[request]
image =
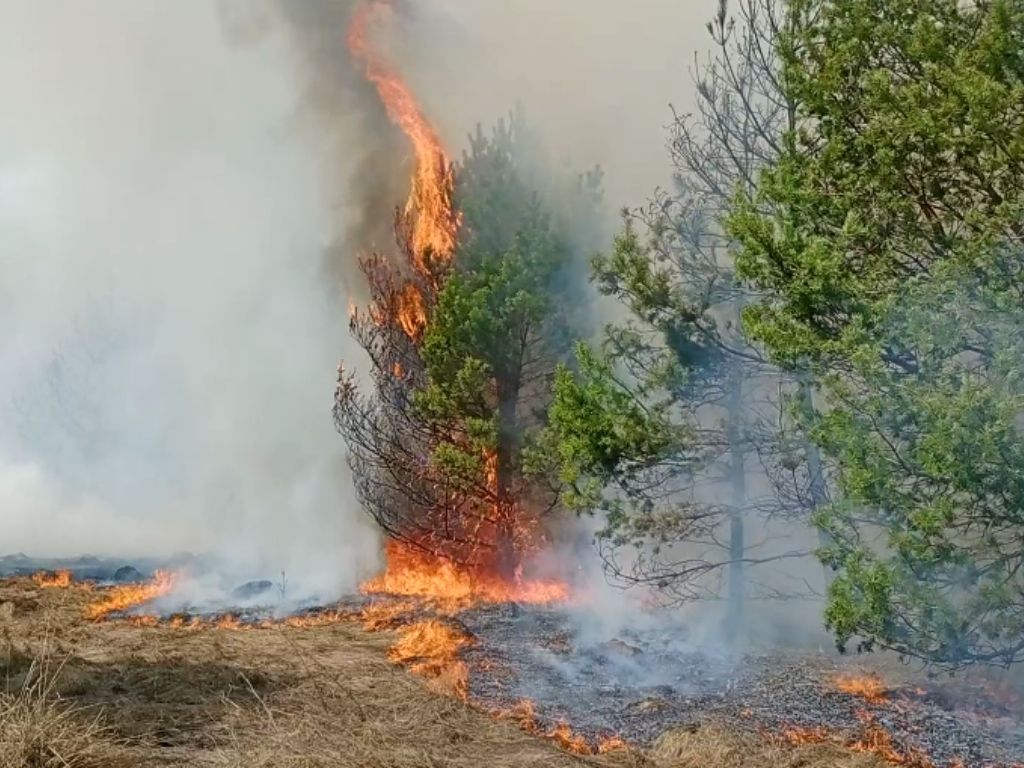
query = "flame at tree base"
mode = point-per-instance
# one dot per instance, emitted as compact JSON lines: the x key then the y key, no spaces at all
{"x":412,"y":573}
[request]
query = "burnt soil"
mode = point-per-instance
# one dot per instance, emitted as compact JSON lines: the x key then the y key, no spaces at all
{"x":639,"y":683}
{"x":327,"y":695}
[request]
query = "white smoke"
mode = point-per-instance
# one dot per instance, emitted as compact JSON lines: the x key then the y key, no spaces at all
{"x":171,"y":302}
{"x":170,"y":336}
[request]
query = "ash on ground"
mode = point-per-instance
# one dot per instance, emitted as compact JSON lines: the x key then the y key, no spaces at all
{"x":638,"y":684}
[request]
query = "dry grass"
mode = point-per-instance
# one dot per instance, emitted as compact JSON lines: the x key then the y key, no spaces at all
{"x":289,"y":696}
{"x":716,"y":748}
{"x":37,"y":730}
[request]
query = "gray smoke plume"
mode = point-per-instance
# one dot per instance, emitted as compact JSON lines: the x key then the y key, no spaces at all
{"x":171,"y":333}
{"x":184,"y":190}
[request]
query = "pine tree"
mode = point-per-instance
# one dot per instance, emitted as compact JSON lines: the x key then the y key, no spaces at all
{"x":438,"y":451}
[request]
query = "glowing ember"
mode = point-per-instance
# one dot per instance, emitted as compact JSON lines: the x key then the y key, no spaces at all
{"x":411,"y":573}
{"x":48,"y":580}
{"x":435,"y":221}
{"x":871,"y":688}
{"x":123,"y":598}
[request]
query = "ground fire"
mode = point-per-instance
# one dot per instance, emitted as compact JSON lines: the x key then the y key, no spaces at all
{"x":480,"y":627}
{"x":123,"y":598}
{"x":45,"y":579}
{"x":870,"y":687}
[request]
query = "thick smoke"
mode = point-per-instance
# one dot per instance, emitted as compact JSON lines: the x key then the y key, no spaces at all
{"x":596,"y":79}
{"x":171,"y":333}
{"x":184,"y":190}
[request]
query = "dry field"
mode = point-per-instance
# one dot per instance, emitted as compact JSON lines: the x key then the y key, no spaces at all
{"x":105,"y":694}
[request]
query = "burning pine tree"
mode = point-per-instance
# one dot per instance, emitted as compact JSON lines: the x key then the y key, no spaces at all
{"x":464,"y":331}
{"x":463,"y":348}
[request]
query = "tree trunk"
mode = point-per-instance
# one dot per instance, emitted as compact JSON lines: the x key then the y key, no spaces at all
{"x":816,"y":476}
{"x":738,"y":482}
{"x":508,"y":438}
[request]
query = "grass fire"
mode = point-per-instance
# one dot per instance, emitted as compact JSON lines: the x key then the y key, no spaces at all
{"x":396,"y":384}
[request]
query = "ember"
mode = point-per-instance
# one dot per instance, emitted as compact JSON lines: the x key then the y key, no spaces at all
{"x":123,"y":598}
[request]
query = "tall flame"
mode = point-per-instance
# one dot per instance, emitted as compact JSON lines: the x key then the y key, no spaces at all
{"x":435,"y":221}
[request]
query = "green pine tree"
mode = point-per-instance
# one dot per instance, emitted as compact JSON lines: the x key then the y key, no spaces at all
{"x":887,"y":238}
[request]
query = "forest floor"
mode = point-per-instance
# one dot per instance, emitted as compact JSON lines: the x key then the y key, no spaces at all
{"x":89,"y":694}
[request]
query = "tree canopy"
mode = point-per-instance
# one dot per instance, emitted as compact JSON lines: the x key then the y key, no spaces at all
{"x":887,"y":241}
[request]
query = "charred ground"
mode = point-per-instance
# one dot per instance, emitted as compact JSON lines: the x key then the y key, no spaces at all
{"x":334,"y":688}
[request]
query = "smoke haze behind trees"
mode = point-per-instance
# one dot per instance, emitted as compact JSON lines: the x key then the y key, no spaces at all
{"x":183,"y":189}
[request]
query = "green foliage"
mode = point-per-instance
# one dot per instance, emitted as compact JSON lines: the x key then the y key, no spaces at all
{"x":502,"y":321}
{"x":654,"y":423}
{"x":601,"y":431}
{"x":909,"y":155}
{"x":671,"y":306}
{"x":931,"y":473}
{"x":887,"y":239}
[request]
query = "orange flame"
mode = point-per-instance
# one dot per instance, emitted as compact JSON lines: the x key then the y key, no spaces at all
{"x":411,"y":573}
{"x":317,"y":619}
{"x":436,"y":222}
{"x":128,"y":596}
{"x":873,"y":739}
{"x":378,"y":616}
{"x":564,"y":737}
{"x":431,"y":648}
{"x":412,"y":313}
{"x":871,"y":688}
{"x":876,"y":740}
{"x":48,"y":580}
{"x":523,"y":713}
